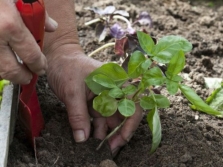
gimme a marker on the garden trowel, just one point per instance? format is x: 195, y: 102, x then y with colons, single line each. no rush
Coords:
x: 30, y: 115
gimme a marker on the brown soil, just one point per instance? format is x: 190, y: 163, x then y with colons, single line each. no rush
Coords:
x: 186, y: 142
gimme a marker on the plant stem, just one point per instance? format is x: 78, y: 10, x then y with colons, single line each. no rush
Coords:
x: 112, y: 133
x: 102, y: 47
x: 104, y: 18
x: 123, y: 19
x: 92, y: 21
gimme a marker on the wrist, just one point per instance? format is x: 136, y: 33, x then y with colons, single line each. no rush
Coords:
x: 63, y: 52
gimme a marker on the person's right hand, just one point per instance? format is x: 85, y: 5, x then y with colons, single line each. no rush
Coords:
x: 15, y: 37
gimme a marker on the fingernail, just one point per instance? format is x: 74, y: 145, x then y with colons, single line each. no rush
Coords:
x: 130, y: 136
x: 53, y: 23
x: 115, y: 151
x: 42, y: 72
x: 79, y: 135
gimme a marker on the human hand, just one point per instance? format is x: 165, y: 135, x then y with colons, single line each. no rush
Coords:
x: 15, y: 37
x: 68, y: 68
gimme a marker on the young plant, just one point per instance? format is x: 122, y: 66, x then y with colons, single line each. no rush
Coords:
x: 149, y: 66
x: 107, y: 26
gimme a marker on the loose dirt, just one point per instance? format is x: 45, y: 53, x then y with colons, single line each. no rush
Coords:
x: 186, y: 141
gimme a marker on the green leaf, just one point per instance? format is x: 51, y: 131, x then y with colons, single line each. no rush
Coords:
x: 126, y: 107
x: 146, y: 42
x: 198, y: 102
x: 214, y: 94
x: 105, y: 104
x: 172, y: 86
x: 169, y: 46
x: 154, y: 123
x: 116, y: 93
x: 153, y: 76
x: 215, y: 100
x: 145, y: 65
x: 147, y: 102
x: 176, y: 64
x: 134, y: 64
x: 104, y: 81
x: 112, y: 71
x: 130, y: 89
x: 177, y: 78
x: 161, y: 101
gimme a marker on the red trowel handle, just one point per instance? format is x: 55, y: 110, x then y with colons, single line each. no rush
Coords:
x: 33, y: 15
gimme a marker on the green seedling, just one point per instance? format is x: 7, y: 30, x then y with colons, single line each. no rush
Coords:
x: 152, y: 66
x: 2, y: 84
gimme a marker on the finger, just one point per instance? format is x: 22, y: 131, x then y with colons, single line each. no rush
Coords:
x: 78, y: 114
x: 100, y: 128
x: 11, y: 69
x: 24, y: 44
x: 50, y: 24
x: 126, y: 131
x: 103, y: 124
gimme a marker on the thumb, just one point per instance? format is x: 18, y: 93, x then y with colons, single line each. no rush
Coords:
x: 78, y: 116
x: 50, y: 24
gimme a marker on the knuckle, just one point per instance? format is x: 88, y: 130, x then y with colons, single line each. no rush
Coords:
x: 10, y: 26
x: 32, y: 57
x: 76, y: 119
x: 9, y: 73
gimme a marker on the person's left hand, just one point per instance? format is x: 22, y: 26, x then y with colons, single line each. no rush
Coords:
x: 68, y: 67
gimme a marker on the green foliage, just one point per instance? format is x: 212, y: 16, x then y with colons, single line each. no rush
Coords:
x: 118, y: 90
x: 2, y: 84
x: 153, y: 120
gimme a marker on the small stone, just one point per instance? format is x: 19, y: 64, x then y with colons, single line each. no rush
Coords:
x: 196, y: 117
x: 206, y: 21
x: 186, y: 158
x: 182, y: 165
x: 108, y: 163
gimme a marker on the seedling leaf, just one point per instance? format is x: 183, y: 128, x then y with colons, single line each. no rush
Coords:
x: 116, y: 93
x: 105, y: 104
x: 101, y: 31
x: 176, y: 63
x: 172, y: 86
x: 144, y: 19
x: 216, y: 99
x: 128, y: 90
x: 126, y: 107
x: 161, y: 101
x: 136, y: 59
x: 153, y: 76
x: 104, y: 81
x: 146, y: 42
x: 153, y: 120
x: 112, y: 71
x: 120, y: 46
x: 117, y: 31
x: 147, y: 102
x: 169, y: 46
x: 198, y: 102
x: 122, y: 12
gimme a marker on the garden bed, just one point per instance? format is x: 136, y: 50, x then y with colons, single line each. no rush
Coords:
x: 190, y: 138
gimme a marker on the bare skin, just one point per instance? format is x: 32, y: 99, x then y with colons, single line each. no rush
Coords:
x: 67, y: 68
